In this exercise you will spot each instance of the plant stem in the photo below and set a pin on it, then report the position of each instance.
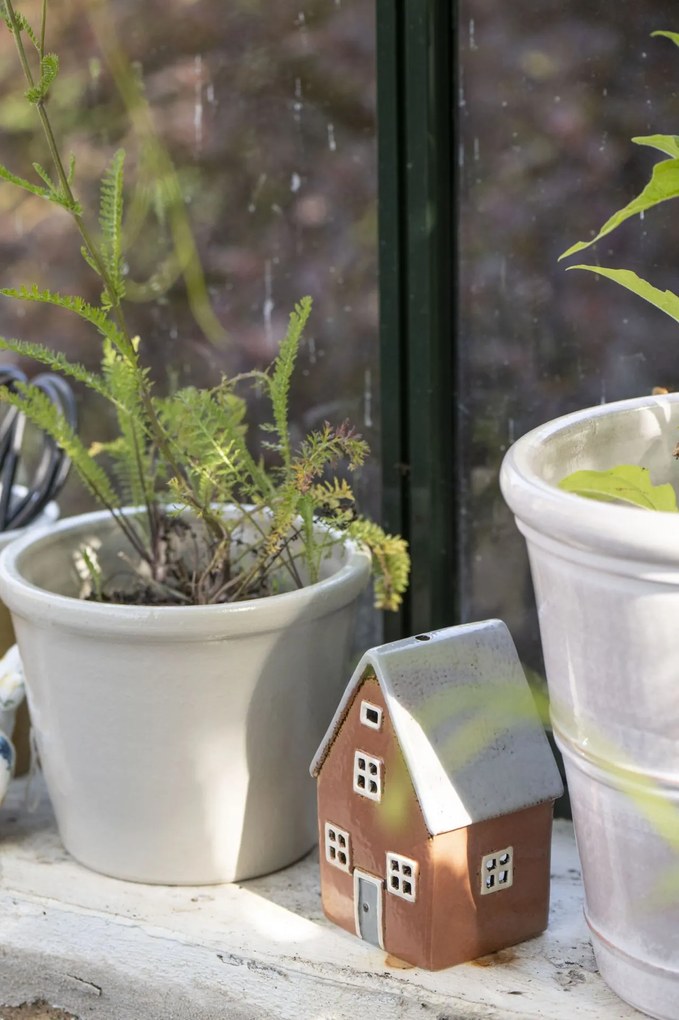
(159, 433)
(43, 27)
(63, 177)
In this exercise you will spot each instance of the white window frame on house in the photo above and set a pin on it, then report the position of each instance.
(367, 775)
(497, 871)
(402, 875)
(337, 847)
(368, 710)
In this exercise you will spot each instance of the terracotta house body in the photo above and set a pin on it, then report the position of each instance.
(436, 787)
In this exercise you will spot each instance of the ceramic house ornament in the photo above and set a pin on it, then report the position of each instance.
(11, 696)
(436, 787)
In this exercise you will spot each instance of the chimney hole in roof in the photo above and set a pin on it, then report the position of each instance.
(423, 637)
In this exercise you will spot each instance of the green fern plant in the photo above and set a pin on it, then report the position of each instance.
(181, 458)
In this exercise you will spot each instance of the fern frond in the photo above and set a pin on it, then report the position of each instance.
(49, 69)
(40, 410)
(132, 455)
(51, 194)
(205, 430)
(391, 562)
(279, 383)
(71, 168)
(111, 223)
(326, 447)
(58, 362)
(41, 172)
(89, 260)
(96, 316)
(24, 26)
(332, 495)
(34, 189)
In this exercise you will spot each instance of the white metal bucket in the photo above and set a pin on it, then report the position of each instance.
(607, 585)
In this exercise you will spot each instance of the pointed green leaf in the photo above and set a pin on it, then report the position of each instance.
(11, 178)
(674, 36)
(111, 222)
(664, 184)
(669, 144)
(89, 260)
(665, 300)
(56, 361)
(626, 483)
(49, 69)
(41, 172)
(24, 26)
(96, 316)
(284, 364)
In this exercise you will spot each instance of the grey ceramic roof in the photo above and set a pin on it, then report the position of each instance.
(466, 723)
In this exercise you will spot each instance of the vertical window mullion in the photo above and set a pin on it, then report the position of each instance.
(415, 109)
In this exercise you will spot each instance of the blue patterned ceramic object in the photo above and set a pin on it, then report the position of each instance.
(11, 696)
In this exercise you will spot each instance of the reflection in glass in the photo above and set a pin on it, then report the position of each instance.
(549, 96)
(267, 113)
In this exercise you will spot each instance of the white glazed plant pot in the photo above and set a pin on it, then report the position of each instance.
(606, 579)
(176, 741)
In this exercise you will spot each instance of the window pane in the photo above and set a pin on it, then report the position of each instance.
(268, 114)
(550, 95)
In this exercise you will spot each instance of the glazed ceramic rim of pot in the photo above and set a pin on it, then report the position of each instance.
(545, 512)
(178, 623)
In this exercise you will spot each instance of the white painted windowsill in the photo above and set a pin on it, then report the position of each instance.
(262, 950)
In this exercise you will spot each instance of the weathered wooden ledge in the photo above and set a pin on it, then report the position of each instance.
(111, 950)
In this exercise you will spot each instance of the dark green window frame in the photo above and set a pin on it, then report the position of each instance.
(417, 224)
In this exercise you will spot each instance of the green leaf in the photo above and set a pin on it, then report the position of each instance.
(674, 36)
(96, 316)
(56, 361)
(24, 26)
(49, 69)
(89, 260)
(664, 185)
(41, 172)
(626, 483)
(50, 193)
(391, 562)
(665, 300)
(669, 144)
(131, 455)
(111, 223)
(279, 385)
(34, 189)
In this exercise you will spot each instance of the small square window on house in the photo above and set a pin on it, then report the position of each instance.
(367, 776)
(497, 871)
(371, 715)
(402, 876)
(337, 847)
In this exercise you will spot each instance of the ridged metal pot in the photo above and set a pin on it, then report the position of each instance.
(606, 579)
(176, 740)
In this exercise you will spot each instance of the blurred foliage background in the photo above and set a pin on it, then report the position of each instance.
(267, 114)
